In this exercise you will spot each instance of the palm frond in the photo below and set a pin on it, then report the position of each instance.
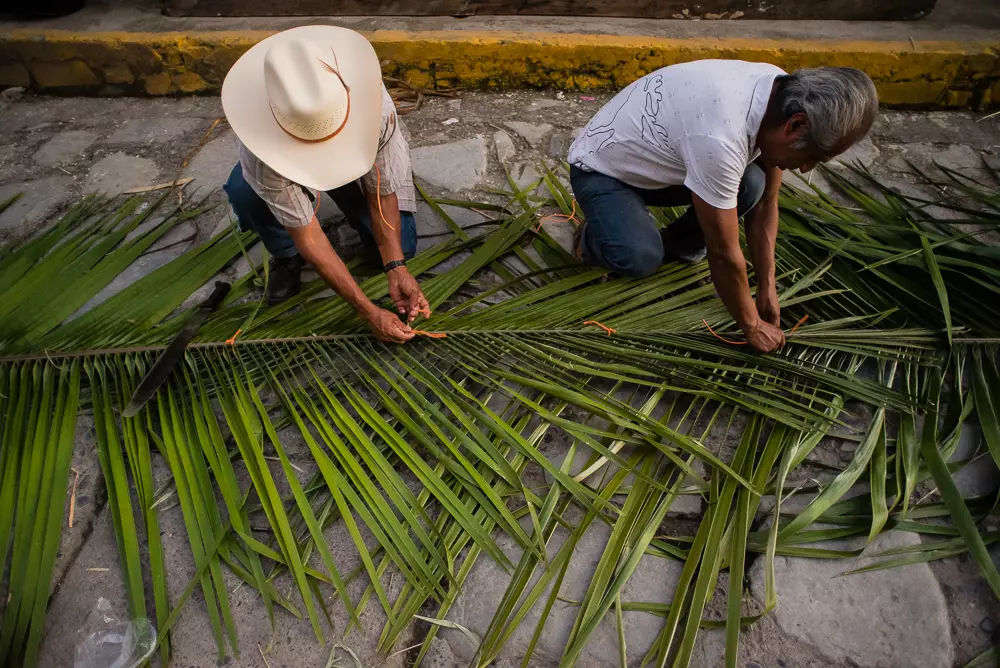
(425, 453)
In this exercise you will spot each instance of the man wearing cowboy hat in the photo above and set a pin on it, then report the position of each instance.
(311, 116)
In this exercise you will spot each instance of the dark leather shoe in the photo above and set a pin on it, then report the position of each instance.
(285, 278)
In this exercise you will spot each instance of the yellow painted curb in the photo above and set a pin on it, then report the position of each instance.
(939, 74)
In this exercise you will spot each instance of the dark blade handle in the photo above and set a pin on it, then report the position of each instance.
(218, 294)
(175, 351)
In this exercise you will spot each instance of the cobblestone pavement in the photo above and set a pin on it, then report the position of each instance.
(57, 149)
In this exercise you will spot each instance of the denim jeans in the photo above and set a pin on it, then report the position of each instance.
(620, 232)
(254, 215)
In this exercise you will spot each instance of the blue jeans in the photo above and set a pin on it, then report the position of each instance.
(254, 215)
(620, 232)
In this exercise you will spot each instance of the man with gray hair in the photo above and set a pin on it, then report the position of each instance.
(716, 135)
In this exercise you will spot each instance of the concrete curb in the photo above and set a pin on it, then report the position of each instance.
(931, 74)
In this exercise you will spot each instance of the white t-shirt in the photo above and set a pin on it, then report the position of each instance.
(693, 124)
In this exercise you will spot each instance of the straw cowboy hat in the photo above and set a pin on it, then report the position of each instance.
(308, 103)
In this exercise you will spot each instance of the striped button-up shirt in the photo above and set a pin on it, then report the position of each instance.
(293, 204)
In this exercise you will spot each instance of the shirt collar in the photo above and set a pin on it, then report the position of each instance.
(758, 105)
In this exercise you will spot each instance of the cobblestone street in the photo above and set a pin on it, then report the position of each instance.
(56, 149)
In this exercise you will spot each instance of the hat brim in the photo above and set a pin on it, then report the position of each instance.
(323, 165)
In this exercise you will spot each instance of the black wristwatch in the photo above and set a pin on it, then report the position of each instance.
(389, 266)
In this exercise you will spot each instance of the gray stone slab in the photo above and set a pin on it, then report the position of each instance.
(653, 581)
(959, 157)
(89, 493)
(980, 475)
(559, 144)
(864, 153)
(119, 172)
(504, 145)
(39, 201)
(430, 224)
(86, 581)
(525, 173)
(974, 612)
(533, 133)
(454, 166)
(897, 617)
(155, 130)
(64, 147)
(143, 266)
(211, 165)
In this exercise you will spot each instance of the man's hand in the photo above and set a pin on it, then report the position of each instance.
(388, 328)
(764, 337)
(767, 306)
(406, 294)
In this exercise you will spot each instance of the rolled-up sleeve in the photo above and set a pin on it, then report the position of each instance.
(288, 201)
(391, 173)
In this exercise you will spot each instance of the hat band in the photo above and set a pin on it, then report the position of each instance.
(321, 139)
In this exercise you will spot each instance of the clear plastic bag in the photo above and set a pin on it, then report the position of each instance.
(108, 642)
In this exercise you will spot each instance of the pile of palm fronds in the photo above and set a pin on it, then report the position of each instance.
(903, 318)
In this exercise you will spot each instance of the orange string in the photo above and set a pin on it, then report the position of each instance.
(378, 197)
(232, 340)
(607, 329)
(319, 193)
(735, 343)
(432, 335)
(798, 324)
(554, 217)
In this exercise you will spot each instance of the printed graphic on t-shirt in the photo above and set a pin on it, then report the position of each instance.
(692, 124)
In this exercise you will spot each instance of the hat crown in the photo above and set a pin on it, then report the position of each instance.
(308, 99)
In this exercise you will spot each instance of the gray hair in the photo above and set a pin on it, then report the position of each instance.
(837, 101)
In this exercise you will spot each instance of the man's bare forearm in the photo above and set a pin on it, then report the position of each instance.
(762, 232)
(386, 225)
(761, 225)
(315, 248)
(729, 274)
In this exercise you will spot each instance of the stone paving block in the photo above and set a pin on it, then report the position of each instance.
(533, 133)
(40, 200)
(505, 146)
(980, 476)
(864, 152)
(975, 611)
(90, 491)
(458, 165)
(64, 147)
(897, 617)
(81, 588)
(155, 130)
(119, 172)
(653, 580)
(559, 144)
(526, 173)
(143, 266)
(959, 157)
(211, 165)
(429, 223)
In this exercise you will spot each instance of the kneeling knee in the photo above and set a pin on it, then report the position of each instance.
(634, 261)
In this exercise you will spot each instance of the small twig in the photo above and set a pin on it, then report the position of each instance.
(98, 570)
(262, 656)
(72, 498)
(179, 183)
(913, 44)
(275, 459)
(398, 652)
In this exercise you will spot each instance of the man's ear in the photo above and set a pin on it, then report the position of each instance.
(795, 127)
